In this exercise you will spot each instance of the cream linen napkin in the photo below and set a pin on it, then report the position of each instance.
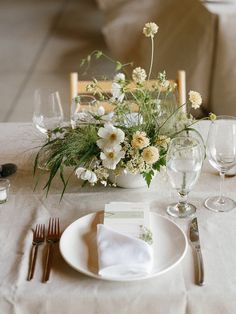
(121, 255)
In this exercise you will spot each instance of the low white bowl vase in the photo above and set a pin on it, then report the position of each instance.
(128, 180)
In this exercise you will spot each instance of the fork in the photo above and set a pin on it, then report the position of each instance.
(53, 236)
(38, 238)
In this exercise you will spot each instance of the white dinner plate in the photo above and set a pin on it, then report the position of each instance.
(78, 246)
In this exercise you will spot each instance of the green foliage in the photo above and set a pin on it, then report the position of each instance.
(148, 177)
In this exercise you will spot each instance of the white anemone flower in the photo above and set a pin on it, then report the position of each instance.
(86, 175)
(117, 92)
(79, 171)
(110, 157)
(110, 136)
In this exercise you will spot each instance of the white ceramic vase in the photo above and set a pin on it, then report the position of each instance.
(128, 180)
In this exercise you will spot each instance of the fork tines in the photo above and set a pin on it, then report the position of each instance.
(38, 238)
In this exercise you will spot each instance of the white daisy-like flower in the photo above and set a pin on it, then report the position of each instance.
(110, 157)
(86, 175)
(195, 98)
(150, 29)
(139, 75)
(117, 92)
(79, 171)
(110, 136)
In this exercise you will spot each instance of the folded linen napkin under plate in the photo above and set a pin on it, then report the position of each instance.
(122, 256)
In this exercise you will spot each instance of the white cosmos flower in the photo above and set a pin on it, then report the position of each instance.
(139, 75)
(117, 92)
(110, 157)
(110, 136)
(86, 175)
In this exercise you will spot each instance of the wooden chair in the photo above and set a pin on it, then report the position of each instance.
(78, 87)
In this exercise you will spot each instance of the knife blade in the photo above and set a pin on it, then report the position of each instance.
(195, 241)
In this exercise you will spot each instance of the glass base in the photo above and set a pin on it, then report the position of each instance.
(225, 205)
(180, 211)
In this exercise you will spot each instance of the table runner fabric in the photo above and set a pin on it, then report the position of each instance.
(71, 292)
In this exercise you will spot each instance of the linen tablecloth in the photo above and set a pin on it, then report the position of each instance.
(71, 292)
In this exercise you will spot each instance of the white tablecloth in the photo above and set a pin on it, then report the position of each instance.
(71, 292)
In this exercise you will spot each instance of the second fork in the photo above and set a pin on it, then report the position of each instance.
(53, 236)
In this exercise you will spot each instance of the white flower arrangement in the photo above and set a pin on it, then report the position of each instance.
(134, 141)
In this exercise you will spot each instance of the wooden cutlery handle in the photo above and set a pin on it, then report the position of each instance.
(33, 257)
(48, 263)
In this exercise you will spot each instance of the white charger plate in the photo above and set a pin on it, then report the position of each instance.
(78, 246)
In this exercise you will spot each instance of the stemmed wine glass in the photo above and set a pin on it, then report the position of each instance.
(221, 152)
(48, 113)
(47, 116)
(184, 162)
(81, 108)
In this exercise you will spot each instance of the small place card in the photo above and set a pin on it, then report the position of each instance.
(128, 218)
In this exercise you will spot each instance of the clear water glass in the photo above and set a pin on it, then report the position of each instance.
(184, 162)
(221, 152)
(81, 108)
(4, 190)
(48, 113)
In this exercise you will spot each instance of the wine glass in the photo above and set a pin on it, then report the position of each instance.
(184, 162)
(81, 108)
(221, 152)
(48, 113)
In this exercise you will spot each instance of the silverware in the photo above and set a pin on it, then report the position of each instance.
(38, 238)
(194, 238)
(53, 236)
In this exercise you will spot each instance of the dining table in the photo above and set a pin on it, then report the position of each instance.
(68, 290)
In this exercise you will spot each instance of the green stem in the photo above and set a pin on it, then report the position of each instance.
(151, 63)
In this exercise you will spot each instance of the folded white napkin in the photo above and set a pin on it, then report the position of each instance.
(122, 256)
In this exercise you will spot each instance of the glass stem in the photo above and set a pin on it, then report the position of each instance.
(221, 196)
(182, 204)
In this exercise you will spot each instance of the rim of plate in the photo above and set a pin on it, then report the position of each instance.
(126, 279)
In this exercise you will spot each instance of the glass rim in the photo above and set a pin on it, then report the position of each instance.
(91, 97)
(185, 137)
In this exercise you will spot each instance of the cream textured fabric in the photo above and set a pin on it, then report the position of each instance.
(71, 292)
(223, 93)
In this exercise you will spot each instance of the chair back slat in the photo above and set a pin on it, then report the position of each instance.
(80, 87)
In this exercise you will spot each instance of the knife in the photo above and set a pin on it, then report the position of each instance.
(194, 238)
